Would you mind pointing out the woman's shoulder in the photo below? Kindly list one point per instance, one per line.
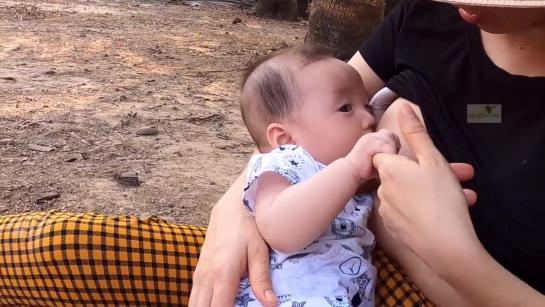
(433, 37)
(418, 34)
(427, 20)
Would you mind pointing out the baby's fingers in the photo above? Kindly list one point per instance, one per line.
(389, 142)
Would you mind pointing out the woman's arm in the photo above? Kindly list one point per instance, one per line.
(430, 217)
(371, 80)
(484, 282)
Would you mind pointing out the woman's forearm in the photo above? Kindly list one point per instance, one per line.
(229, 209)
(484, 282)
(232, 199)
(300, 213)
(371, 80)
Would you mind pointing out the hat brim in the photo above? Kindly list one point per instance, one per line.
(499, 3)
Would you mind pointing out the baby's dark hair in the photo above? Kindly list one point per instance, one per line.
(268, 94)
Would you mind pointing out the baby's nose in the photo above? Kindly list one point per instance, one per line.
(368, 121)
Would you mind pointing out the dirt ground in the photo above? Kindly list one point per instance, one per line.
(81, 77)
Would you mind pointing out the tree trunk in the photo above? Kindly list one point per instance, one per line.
(390, 5)
(302, 8)
(343, 25)
(283, 9)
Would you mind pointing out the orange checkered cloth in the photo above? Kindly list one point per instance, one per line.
(64, 259)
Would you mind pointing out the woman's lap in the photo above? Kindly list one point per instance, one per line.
(394, 288)
(54, 258)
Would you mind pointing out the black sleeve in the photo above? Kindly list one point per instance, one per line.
(380, 48)
(412, 86)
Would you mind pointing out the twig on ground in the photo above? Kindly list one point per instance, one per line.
(79, 138)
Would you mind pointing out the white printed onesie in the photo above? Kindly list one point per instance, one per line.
(334, 270)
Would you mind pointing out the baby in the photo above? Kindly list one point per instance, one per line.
(308, 114)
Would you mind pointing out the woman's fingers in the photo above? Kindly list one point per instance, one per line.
(416, 136)
(226, 281)
(463, 171)
(204, 296)
(471, 196)
(194, 295)
(258, 268)
(228, 270)
(209, 279)
(222, 262)
(388, 164)
(202, 288)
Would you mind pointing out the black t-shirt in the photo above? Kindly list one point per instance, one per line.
(477, 113)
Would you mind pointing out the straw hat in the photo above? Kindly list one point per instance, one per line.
(499, 3)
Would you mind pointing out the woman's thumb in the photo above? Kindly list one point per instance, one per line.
(260, 278)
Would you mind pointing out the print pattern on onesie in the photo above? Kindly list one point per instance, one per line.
(335, 269)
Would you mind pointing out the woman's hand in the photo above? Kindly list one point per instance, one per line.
(422, 202)
(370, 144)
(233, 247)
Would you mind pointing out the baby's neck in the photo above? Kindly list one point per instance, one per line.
(269, 148)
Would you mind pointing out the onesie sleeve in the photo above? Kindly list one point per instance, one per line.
(291, 162)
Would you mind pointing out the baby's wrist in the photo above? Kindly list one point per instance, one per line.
(351, 166)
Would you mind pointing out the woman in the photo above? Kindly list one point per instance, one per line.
(477, 74)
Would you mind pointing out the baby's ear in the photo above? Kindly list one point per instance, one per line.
(277, 135)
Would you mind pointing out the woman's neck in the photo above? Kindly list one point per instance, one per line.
(519, 53)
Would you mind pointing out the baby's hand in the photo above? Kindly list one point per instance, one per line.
(361, 156)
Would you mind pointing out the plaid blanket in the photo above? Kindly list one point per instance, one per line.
(65, 259)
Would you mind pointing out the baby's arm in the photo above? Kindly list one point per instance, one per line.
(290, 217)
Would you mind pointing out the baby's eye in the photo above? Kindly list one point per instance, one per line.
(345, 108)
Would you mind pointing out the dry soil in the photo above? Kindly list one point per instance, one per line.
(80, 78)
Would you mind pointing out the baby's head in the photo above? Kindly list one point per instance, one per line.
(305, 96)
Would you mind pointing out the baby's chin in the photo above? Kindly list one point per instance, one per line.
(368, 187)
